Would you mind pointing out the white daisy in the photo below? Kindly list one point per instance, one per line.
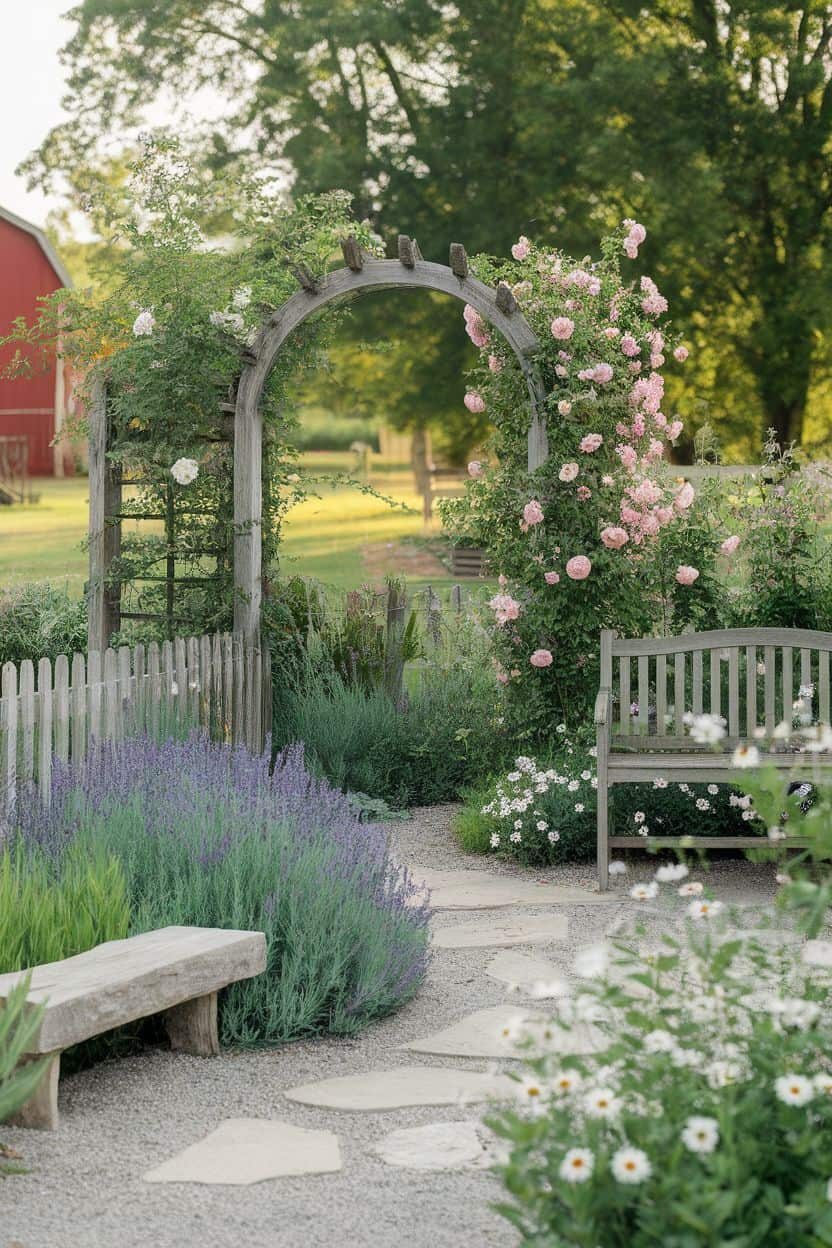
(644, 892)
(745, 756)
(602, 1103)
(794, 1089)
(691, 889)
(704, 909)
(565, 1081)
(701, 1135)
(670, 872)
(576, 1166)
(617, 867)
(631, 1165)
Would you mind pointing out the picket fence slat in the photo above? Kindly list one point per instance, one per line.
(60, 711)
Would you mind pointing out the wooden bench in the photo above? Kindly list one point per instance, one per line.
(748, 676)
(177, 971)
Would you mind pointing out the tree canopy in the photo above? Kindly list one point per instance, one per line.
(708, 120)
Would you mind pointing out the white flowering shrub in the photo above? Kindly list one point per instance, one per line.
(704, 1115)
(545, 813)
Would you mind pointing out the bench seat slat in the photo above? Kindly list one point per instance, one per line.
(124, 980)
(720, 638)
(705, 842)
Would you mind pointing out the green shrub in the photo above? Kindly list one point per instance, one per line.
(18, 1026)
(39, 620)
(54, 906)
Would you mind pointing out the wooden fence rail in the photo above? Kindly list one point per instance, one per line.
(219, 683)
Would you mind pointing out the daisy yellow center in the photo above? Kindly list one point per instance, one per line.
(578, 1163)
(629, 1165)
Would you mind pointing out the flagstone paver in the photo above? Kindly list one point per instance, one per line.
(523, 972)
(243, 1151)
(403, 1087)
(480, 890)
(482, 1034)
(502, 933)
(437, 1146)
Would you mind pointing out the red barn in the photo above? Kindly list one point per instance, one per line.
(34, 405)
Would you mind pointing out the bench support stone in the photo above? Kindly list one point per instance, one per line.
(41, 1110)
(192, 1026)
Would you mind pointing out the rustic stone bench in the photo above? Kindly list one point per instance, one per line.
(177, 971)
(750, 677)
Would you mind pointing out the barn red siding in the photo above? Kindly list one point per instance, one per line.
(27, 404)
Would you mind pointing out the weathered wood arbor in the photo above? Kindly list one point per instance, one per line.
(362, 273)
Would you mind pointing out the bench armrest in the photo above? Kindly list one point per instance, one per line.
(602, 707)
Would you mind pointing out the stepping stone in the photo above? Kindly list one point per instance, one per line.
(503, 933)
(480, 1035)
(243, 1151)
(481, 890)
(404, 1087)
(525, 973)
(437, 1146)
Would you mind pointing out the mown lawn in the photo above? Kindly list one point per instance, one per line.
(323, 537)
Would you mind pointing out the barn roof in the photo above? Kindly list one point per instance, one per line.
(42, 241)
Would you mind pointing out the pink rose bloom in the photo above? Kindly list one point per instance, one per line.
(551, 578)
(612, 331)
(602, 373)
(591, 442)
(629, 345)
(561, 370)
(637, 232)
(646, 493)
(607, 479)
(586, 374)
(629, 515)
(656, 359)
(568, 472)
(664, 514)
(685, 574)
(634, 366)
(584, 493)
(474, 402)
(685, 497)
(474, 326)
(475, 469)
(494, 363)
(674, 429)
(562, 328)
(729, 545)
(505, 608)
(578, 568)
(660, 419)
(564, 407)
(541, 658)
(533, 512)
(650, 524)
(614, 537)
(681, 354)
(521, 248)
(565, 355)
(628, 456)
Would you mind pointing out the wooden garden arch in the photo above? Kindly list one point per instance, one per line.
(497, 307)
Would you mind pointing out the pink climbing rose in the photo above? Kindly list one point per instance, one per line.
(578, 568)
(541, 658)
(521, 248)
(569, 472)
(505, 608)
(533, 512)
(681, 354)
(614, 537)
(562, 328)
(474, 402)
(729, 545)
(495, 364)
(684, 498)
(685, 574)
(629, 345)
(551, 578)
(475, 469)
(591, 442)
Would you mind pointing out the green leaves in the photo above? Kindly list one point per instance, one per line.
(19, 1024)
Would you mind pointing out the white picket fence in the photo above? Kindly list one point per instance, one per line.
(218, 683)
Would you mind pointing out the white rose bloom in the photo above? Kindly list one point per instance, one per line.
(184, 471)
(144, 323)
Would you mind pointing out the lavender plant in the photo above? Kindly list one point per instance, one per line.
(207, 835)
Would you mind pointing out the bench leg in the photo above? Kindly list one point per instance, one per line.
(41, 1110)
(603, 849)
(192, 1026)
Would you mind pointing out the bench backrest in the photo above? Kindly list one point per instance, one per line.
(749, 676)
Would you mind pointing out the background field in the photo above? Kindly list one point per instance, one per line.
(343, 538)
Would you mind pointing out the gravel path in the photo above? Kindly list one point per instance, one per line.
(85, 1190)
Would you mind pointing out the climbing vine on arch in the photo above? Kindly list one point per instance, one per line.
(168, 339)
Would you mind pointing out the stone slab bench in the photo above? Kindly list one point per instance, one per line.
(749, 677)
(175, 971)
